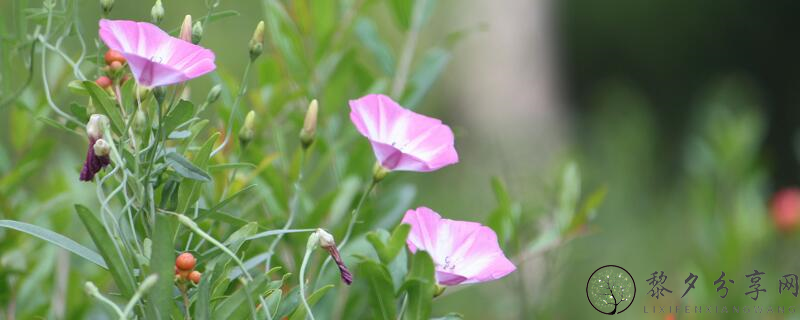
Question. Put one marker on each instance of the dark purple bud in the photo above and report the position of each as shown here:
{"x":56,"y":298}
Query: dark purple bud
{"x":347,"y":277}
{"x":94,"y":162}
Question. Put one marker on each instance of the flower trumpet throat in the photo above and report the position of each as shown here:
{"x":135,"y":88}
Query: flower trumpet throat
{"x":325,"y":240}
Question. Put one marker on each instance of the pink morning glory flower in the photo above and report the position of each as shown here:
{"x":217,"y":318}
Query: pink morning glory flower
{"x":401,"y":139}
{"x":155,"y":58}
{"x":463,"y":251}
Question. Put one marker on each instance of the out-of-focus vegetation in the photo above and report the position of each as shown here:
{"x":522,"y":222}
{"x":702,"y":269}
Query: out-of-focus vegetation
{"x":684,"y":117}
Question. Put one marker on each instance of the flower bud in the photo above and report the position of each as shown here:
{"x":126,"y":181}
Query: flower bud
{"x":106,"y":5}
{"x":197,"y":32}
{"x":90,"y":288}
{"x":95,"y":126}
{"x":101,"y":148}
{"x":325,"y":239}
{"x":257,"y":41}
{"x":157,"y":12}
{"x":248,"y":129}
{"x":186,"y":29}
{"x":309,"y":125}
{"x":213,"y":95}
{"x":159,"y":93}
{"x":139,"y":121}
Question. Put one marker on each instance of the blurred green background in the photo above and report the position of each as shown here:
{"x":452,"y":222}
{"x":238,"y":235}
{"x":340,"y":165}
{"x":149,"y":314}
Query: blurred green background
{"x":684,"y":111}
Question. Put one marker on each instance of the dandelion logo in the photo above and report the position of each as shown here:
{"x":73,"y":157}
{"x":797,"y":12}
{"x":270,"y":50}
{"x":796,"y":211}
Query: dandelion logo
{"x":611,"y":289}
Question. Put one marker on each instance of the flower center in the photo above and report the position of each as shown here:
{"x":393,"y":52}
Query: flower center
{"x":448,"y":265}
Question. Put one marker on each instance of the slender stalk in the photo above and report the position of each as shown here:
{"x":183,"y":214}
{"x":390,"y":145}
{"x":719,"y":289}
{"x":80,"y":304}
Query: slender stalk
{"x":350,"y":226}
{"x":302,"y":283}
{"x":242,"y":91}
{"x":146,"y":285}
{"x":189,"y":223}
{"x":91,"y":289}
{"x":354,"y":216}
{"x":401,"y":74}
{"x":294,"y":203}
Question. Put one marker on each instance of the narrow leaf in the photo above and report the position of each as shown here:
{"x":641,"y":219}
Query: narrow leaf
{"x":56,"y":239}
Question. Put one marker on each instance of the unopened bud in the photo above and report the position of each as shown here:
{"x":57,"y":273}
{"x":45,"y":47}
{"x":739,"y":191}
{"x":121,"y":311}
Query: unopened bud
{"x":90,"y":288}
{"x":106,"y":5}
{"x":248,"y":130}
{"x":313,"y":241}
{"x":159,"y":93}
{"x":309,"y":130}
{"x":257,"y":41}
{"x":101,"y":148}
{"x":213,"y":95}
{"x":96,"y":126}
{"x":379,"y":172}
{"x":197,"y":32}
{"x":157,"y":12}
{"x":186,"y":29}
{"x":325,"y":239}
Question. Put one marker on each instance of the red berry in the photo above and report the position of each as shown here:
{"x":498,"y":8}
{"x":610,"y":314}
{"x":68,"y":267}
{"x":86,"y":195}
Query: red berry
{"x":103,"y":81}
{"x":185,"y":261}
{"x":195,"y":277}
{"x":115,"y":65}
{"x":785,"y":209}
{"x":112,"y":56}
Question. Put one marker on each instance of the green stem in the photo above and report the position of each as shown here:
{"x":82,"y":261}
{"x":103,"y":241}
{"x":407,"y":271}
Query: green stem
{"x":401,"y":74}
{"x":350,"y":226}
{"x":294,"y":203}
{"x":242,"y":91}
{"x":146,"y":285}
{"x":302,"y":283}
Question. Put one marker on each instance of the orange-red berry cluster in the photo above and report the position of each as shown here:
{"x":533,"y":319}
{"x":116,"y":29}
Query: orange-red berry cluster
{"x":184,"y":268}
{"x":114,"y":63}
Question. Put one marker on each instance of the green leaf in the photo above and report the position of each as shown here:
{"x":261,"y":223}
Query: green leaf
{"x":117,"y":263}
{"x":396,"y":242}
{"x":422,"y":267}
{"x":420,"y":286}
{"x":202,"y":310}
{"x":162,"y":263}
{"x":381,"y":289}
{"x":190,"y":190}
{"x":568,"y":197}
{"x":56,"y":239}
{"x":300,"y":312}
{"x":179,"y":114}
{"x":226,"y":166}
{"x":420,"y":295}
{"x":431,"y":65}
{"x":368,"y":34}
{"x":236,"y":306}
{"x":503,"y":218}
{"x":402,"y":10}
{"x":588,"y":208}
{"x":185,"y":168}
{"x":106,"y":106}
